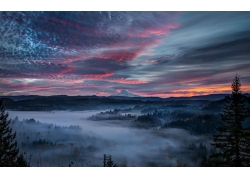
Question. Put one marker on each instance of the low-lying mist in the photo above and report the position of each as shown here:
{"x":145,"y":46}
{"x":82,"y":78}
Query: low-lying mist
{"x":61,"y":138}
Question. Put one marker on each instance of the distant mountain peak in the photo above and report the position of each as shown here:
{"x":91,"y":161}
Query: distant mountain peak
{"x":125,"y":93}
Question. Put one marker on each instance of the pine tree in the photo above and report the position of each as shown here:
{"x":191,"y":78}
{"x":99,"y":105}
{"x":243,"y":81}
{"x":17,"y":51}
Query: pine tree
{"x":108,"y":162}
{"x":9,"y":152}
{"x":232,"y":140}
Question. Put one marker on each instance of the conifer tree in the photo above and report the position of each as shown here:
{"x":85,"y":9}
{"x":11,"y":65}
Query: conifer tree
{"x":108,"y":162}
{"x":232,"y":140}
{"x":9,"y":152}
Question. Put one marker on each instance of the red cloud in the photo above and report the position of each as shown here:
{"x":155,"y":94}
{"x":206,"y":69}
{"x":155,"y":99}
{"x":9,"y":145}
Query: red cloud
{"x":153,"y":31}
{"x":119,"y":55}
{"x":101,"y":93}
{"x":66,"y":70}
{"x":4,"y":80}
{"x":98,"y":76}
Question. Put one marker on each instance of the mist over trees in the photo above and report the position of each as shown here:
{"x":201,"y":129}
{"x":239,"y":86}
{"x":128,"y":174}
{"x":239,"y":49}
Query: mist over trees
{"x":232,"y":140}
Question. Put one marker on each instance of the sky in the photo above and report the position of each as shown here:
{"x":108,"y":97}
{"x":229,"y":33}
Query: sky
{"x":148,"y":53}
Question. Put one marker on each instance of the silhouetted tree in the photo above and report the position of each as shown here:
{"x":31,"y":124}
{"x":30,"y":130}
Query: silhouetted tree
{"x":233,"y":141}
{"x":108,"y":162}
{"x":9,"y":152}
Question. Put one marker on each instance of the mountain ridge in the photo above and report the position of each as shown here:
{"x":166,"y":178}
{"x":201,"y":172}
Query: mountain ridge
{"x":202,"y":97}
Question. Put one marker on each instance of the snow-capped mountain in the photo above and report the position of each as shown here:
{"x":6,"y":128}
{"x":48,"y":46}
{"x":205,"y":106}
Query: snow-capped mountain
{"x":125,"y":93}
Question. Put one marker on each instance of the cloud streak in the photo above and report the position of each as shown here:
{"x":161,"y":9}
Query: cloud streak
{"x":151,"y":53}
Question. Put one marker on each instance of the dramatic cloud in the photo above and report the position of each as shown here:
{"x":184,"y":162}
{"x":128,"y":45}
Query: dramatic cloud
{"x":148,"y":53}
